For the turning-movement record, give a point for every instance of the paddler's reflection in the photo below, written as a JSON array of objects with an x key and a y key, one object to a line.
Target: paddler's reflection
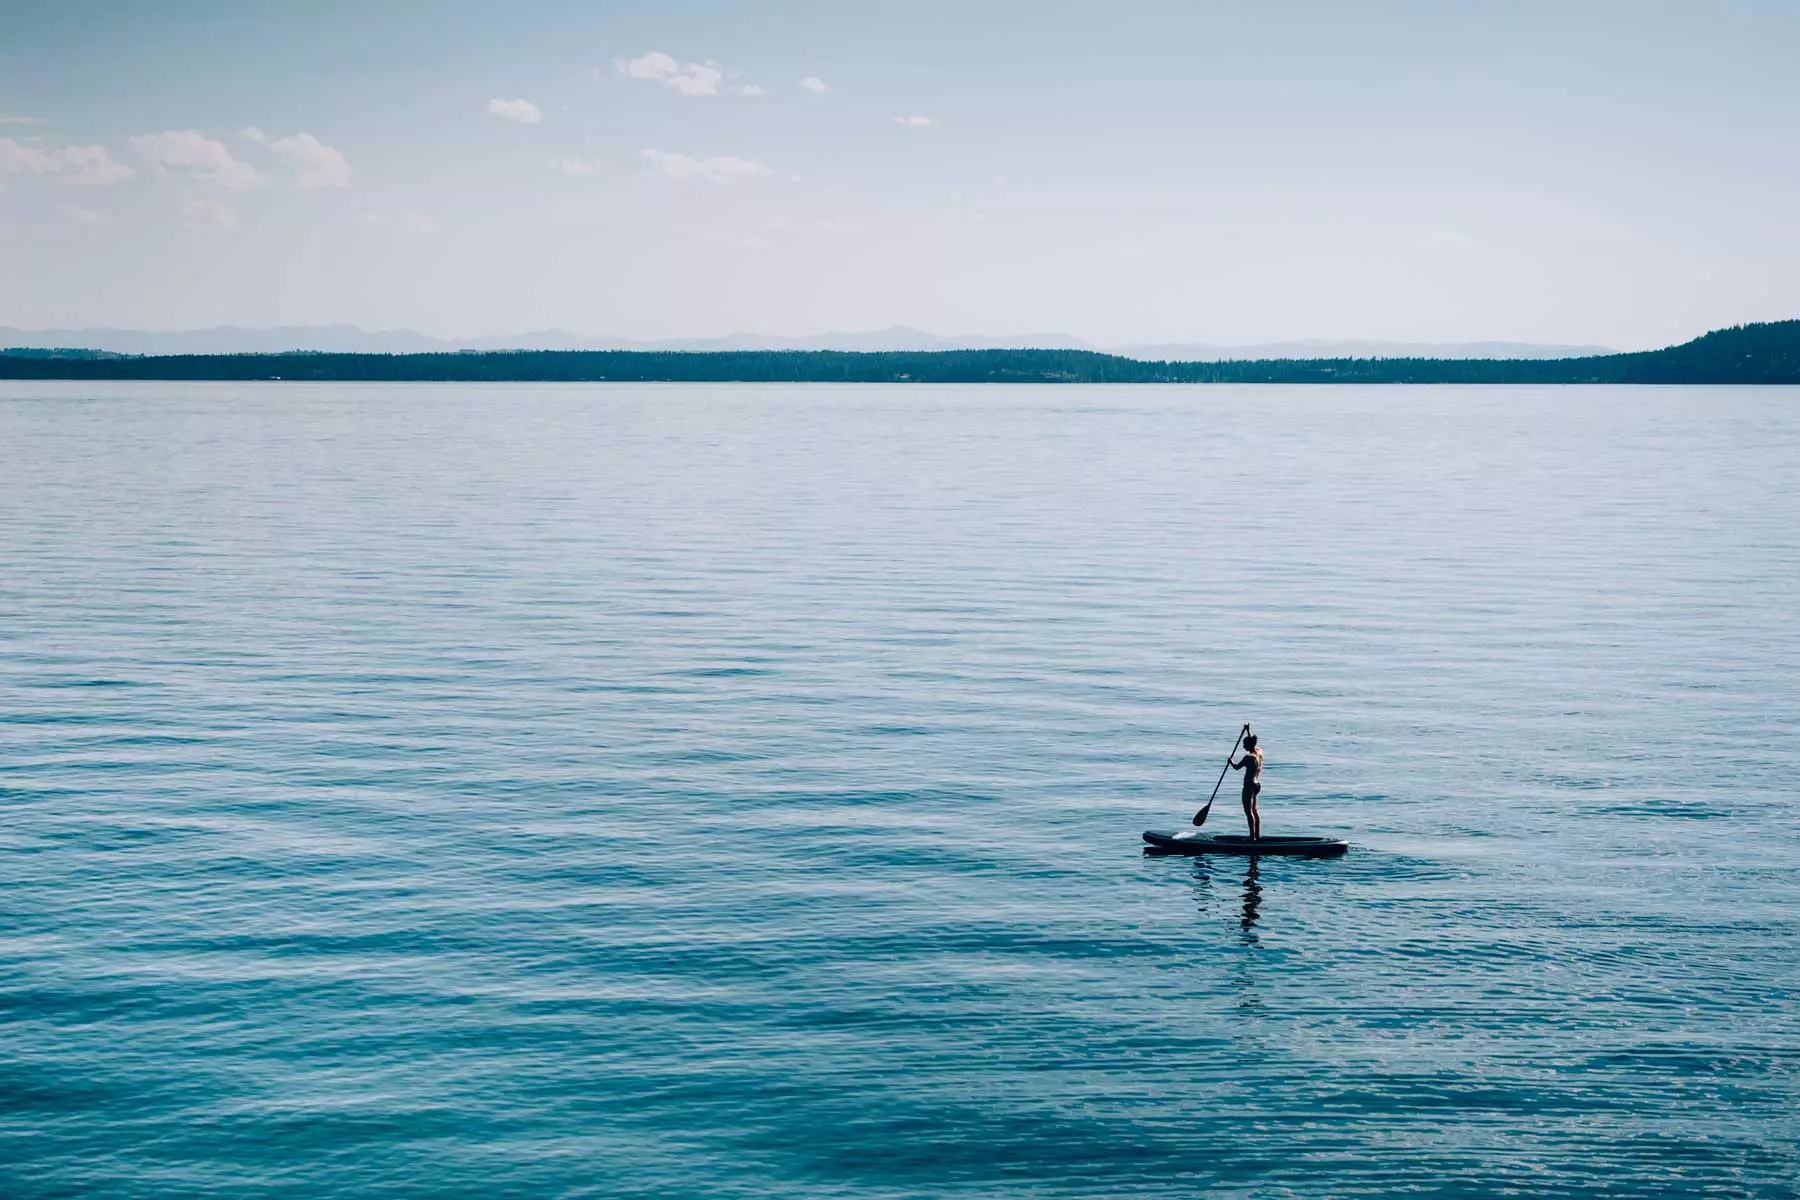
[
  {"x": 1249, "y": 910},
  {"x": 1252, "y": 901}
]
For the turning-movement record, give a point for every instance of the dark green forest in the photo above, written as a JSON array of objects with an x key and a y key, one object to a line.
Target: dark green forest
[{"x": 1766, "y": 353}]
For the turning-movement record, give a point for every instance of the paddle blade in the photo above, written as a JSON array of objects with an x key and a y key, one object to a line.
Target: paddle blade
[{"x": 1200, "y": 817}]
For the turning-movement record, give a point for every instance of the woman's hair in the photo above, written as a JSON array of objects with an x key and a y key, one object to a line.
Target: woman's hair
[{"x": 1250, "y": 742}]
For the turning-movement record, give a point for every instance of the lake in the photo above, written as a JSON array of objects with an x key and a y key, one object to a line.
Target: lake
[{"x": 735, "y": 791}]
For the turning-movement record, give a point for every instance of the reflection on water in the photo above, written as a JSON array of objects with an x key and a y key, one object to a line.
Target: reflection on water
[
  {"x": 1250, "y": 898},
  {"x": 1253, "y": 896},
  {"x": 1247, "y": 901}
]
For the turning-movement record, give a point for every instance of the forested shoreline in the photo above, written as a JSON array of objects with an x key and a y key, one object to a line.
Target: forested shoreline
[{"x": 1765, "y": 353}]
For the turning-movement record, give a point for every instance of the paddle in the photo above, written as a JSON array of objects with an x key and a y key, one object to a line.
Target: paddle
[{"x": 1200, "y": 817}]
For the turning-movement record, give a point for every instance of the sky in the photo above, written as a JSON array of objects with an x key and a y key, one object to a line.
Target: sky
[{"x": 1621, "y": 174}]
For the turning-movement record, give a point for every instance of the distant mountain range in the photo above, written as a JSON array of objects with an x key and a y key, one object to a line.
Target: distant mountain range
[
  {"x": 348, "y": 339},
  {"x": 1352, "y": 348}
]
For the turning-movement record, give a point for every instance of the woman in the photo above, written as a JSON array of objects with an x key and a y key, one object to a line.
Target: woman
[{"x": 1251, "y": 765}]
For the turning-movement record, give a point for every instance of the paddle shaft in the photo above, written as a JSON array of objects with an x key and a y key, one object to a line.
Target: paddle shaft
[{"x": 1200, "y": 817}]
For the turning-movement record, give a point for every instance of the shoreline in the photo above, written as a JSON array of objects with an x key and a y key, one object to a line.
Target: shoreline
[{"x": 1760, "y": 354}]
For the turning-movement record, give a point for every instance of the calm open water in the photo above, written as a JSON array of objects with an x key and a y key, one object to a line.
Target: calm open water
[{"x": 668, "y": 791}]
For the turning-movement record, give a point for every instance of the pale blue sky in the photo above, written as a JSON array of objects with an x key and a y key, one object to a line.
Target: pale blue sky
[{"x": 1617, "y": 173}]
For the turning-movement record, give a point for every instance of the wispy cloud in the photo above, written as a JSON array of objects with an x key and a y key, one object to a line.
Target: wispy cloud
[
  {"x": 580, "y": 166},
  {"x": 814, "y": 84},
  {"x": 210, "y": 212},
  {"x": 316, "y": 164},
  {"x": 251, "y": 133},
  {"x": 724, "y": 169},
  {"x": 17, "y": 158},
  {"x": 22, "y": 120},
  {"x": 914, "y": 122},
  {"x": 93, "y": 165},
  {"x": 753, "y": 89},
  {"x": 688, "y": 79},
  {"x": 208, "y": 159},
  {"x": 522, "y": 111},
  {"x": 70, "y": 164},
  {"x": 86, "y": 216}
]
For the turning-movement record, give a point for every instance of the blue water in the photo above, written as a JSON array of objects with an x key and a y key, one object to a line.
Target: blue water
[{"x": 670, "y": 791}]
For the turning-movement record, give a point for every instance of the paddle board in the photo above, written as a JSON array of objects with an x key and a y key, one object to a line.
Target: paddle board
[{"x": 1192, "y": 841}]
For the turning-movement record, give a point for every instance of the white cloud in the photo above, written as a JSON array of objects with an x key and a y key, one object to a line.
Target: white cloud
[
  {"x": 580, "y": 166},
  {"x": 71, "y": 164},
  {"x": 92, "y": 164},
  {"x": 86, "y": 216},
  {"x": 654, "y": 65},
  {"x": 689, "y": 79},
  {"x": 814, "y": 84},
  {"x": 210, "y": 160},
  {"x": 522, "y": 111},
  {"x": 19, "y": 158},
  {"x": 251, "y": 133},
  {"x": 316, "y": 164},
  {"x": 21, "y": 120},
  {"x": 915, "y": 122},
  {"x": 752, "y": 89},
  {"x": 210, "y": 212},
  {"x": 724, "y": 169}
]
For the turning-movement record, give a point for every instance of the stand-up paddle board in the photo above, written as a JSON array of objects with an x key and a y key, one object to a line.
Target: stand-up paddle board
[{"x": 1192, "y": 841}]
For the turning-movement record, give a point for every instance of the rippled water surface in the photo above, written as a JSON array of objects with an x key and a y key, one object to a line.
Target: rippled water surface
[{"x": 728, "y": 792}]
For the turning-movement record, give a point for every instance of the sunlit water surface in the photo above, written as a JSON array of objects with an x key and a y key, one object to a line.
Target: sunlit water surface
[{"x": 668, "y": 791}]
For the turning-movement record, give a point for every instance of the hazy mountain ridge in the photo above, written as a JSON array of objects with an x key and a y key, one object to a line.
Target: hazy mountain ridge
[
  {"x": 351, "y": 339},
  {"x": 1352, "y": 348}
]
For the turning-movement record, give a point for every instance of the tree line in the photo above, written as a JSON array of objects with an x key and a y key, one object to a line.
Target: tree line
[{"x": 1765, "y": 353}]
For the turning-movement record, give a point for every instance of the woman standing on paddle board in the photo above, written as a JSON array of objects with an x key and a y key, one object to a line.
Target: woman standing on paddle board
[{"x": 1251, "y": 765}]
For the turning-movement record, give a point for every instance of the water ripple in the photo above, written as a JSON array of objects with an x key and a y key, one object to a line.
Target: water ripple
[{"x": 735, "y": 792}]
